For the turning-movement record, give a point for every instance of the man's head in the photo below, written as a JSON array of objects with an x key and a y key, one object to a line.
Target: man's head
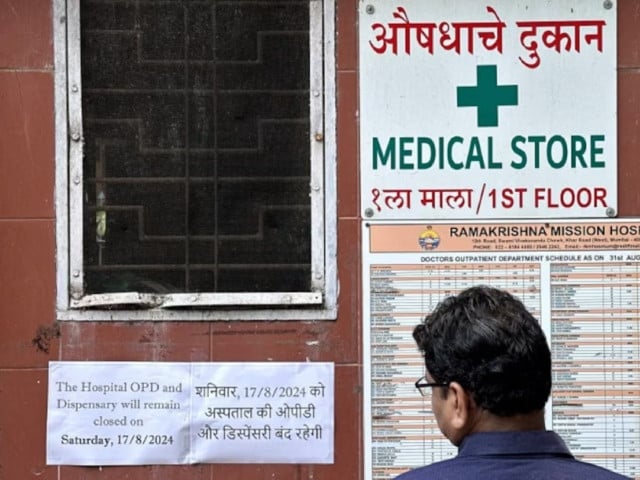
[{"x": 485, "y": 341}]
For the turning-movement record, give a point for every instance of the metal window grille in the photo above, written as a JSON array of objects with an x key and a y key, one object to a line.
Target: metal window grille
[{"x": 197, "y": 147}]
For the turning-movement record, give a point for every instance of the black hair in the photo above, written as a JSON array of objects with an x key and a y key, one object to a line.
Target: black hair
[{"x": 486, "y": 340}]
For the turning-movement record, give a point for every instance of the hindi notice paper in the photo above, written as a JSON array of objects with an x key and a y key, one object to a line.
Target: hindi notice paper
[{"x": 142, "y": 413}]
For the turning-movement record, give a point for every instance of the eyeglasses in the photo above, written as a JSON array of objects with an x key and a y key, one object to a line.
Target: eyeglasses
[{"x": 422, "y": 385}]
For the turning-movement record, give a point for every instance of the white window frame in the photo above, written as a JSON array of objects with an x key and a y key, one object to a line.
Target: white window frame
[{"x": 72, "y": 304}]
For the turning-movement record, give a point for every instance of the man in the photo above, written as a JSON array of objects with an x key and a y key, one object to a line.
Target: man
[{"x": 488, "y": 367}]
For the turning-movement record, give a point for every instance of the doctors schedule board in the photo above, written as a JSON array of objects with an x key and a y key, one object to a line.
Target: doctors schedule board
[{"x": 580, "y": 279}]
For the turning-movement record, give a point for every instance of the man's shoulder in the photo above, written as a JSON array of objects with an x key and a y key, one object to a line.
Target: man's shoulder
[
  {"x": 487, "y": 468},
  {"x": 590, "y": 470},
  {"x": 438, "y": 470}
]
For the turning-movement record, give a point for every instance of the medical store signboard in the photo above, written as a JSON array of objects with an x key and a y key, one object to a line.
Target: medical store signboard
[{"x": 487, "y": 109}]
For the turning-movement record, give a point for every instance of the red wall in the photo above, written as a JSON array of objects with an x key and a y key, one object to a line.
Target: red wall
[
  {"x": 30, "y": 336},
  {"x": 27, "y": 233}
]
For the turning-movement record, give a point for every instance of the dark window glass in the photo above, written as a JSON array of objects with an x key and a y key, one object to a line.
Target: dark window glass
[{"x": 196, "y": 154}]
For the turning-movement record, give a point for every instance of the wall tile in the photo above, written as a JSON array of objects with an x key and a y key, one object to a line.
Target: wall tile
[
  {"x": 628, "y": 143},
  {"x": 347, "y": 35},
  {"x": 628, "y": 28},
  {"x": 256, "y": 472},
  {"x": 26, "y": 39},
  {"x": 26, "y": 144},
  {"x": 139, "y": 341},
  {"x": 344, "y": 341},
  {"x": 260, "y": 341},
  {"x": 23, "y": 417},
  {"x": 139, "y": 472},
  {"x": 348, "y": 152},
  {"x": 27, "y": 309}
]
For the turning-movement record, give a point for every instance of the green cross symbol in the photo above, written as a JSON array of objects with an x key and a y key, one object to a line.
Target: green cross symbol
[{"x": 487, "y": 95}]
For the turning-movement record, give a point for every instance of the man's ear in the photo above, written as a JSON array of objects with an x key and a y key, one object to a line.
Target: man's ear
[{"x": 461, "y": 407}]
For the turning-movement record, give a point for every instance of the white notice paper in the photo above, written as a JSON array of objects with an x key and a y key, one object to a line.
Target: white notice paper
[{"x": 141, "y": 413}]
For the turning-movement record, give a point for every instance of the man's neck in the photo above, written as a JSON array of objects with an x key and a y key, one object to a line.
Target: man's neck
[{"x": 488, "y": 422}]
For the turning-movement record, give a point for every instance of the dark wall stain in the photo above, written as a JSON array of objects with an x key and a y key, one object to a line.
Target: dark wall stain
[{"x": 44, "y": 335}]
